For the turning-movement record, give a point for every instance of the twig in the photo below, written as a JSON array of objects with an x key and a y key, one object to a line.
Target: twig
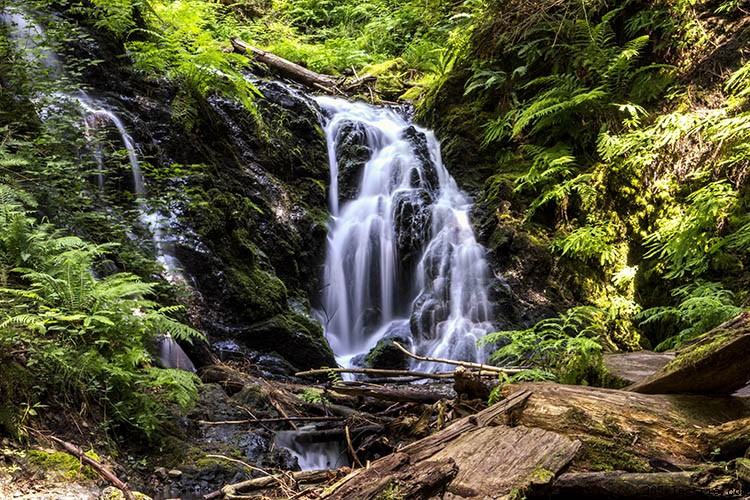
[
  {"x": 103, "y": 471},
  {"x": 280, "y": 409},
  {"x": 466, "y": 364},
  {"x": 351, "y": 446}
]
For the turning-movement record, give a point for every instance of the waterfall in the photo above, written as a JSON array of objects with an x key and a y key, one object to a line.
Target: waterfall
[
  {"x": 310, "y": 453},
  {"x": 401, "y": 252},
  {"x": 30, "y": 41}
]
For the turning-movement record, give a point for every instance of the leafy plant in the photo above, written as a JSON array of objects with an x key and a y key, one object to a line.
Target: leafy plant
[
  {"x": 87, "y": 338},
  {"x": 566, "y": 348},
  {"x": 702, "y": 306}
]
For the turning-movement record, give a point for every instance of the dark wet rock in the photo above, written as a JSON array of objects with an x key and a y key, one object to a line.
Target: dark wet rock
[
  {"x": 299, "y": 338},
  {"x": 352, "y": 153},
  {"x": 412, "y": 218},
  {"x": 271, "y": 365},
  {"x": 428, "y": 179},
  {"x": 387, "y": 356}
]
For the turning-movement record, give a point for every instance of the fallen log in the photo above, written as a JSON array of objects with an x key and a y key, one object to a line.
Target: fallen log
[
  {"x": 728, "y": 440},
  {"x": 492, "y": 460},
  {"x": 655, "y": 485},
  {"x": 383, "y": 393},
  {"x": 623, "y": 430},
  {"x": 633, "y": 367},
  {"x": 391, "y": 474},
  {"x": 286, "y": 68},
  {"x": 716, "y": 363}
]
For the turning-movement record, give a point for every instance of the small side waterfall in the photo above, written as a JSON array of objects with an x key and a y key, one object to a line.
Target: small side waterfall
[
  {"x": 30, "y": 41},
  {"x": 401, "y": 251},
  {"x": 312, "y": 454}
]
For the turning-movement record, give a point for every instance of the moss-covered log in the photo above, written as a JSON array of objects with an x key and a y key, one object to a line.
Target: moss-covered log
[
  {"x": 622, "y": 430},
  {"x": 716, "y": 363},
  {"x": 615, "y": 484}
]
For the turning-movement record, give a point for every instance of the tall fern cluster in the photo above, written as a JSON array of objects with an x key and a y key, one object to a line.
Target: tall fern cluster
[
  {"x": 636, "y": 176},
  {"x": 83, "y": 337}
]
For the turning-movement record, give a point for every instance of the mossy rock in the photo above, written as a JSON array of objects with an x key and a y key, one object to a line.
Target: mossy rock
[
  {"x": 60, "y": 464},
  {"x": 387, "y": 356},
  {"x": 294, "y": 336}
]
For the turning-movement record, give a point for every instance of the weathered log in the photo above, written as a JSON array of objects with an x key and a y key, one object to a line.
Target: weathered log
[
  {"x": 498, "y": 460},
  {"x": 393, "y": 474},
  {"x": 656, "y": 485},
  {"x": 728, "y": 440},
  {"x": 396, "y": 394},
  {"x": 716, "y": 363},
  {"x": 623, "y": 430},
  {"x": 633, "y": 367},
  {"x": 286, "y": 68}
]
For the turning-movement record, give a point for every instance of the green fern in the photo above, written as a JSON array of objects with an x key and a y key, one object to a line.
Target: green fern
[
  {"x": 566, "y": 347},
  {"x": 702, "y": 306}
]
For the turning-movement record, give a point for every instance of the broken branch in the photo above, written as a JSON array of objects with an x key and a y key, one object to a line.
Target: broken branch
[{"x": 466, "y": 364}]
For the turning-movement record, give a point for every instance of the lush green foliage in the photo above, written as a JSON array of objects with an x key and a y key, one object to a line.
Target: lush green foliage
[
  {"x": 567, "y": 348},
  {"x": 637, "y": 179},
  {"x": 85, "y": 339},
  {"x": 702, "y": 307}
]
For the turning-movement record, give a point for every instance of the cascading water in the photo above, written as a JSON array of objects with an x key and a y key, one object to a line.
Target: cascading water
[
  {"x": 30, "y": 41},
  {"x": 401, "y": 252},
  {"x": 312, "y": 454}
]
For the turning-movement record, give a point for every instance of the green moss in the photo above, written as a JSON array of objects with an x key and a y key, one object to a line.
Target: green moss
[
  {"x": 64, "y": 464},
  {"x": 704, "y": 346},
  {"x": 542, "y": 475},
  {"x": 264, "y": 295},
  {"x": 609, "y": 454}
]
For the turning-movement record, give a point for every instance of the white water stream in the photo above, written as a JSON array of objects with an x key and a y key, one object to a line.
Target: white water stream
[
  {"x": 31, "y": 43},
  {"x": 406, "y": 204}
]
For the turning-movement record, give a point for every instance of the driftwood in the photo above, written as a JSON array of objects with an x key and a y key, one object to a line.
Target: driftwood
[
  {"x": 98, "y": 467},
  {"x": 624, "y": 430},
  {"x": 658, "y": 485},
  {"x": 465, "y": 364},
  {"x": 716, "y": 363},
  {"x": 383, "y": 393}
]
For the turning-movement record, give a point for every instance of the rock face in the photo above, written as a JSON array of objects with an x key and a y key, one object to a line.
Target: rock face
[{"x": 244, "y": 194}]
